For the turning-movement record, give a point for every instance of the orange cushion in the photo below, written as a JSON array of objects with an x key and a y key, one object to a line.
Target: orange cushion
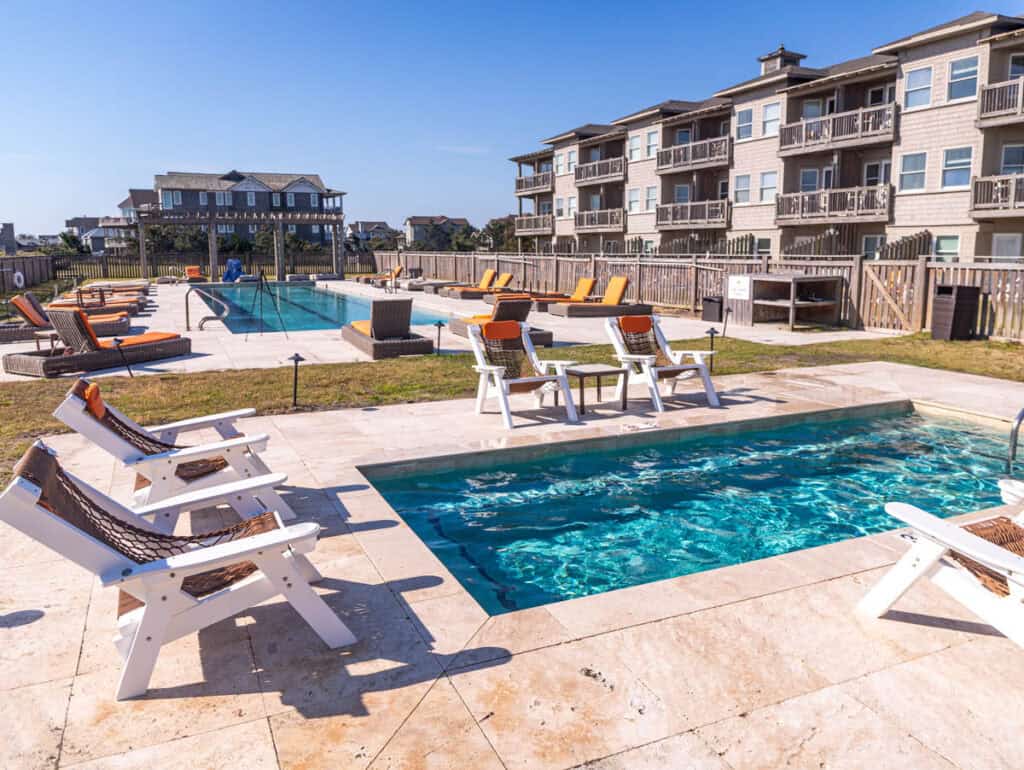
[
  {"x": 510, "y": 295},
  {"x": 88, "y": 327},
  {"x": 108, "y": 318},
  {"x": 486, "y": 278},
  {"x": 363, "y": 327},
  {"x": 142, "y": 339},
  {"x": 94, "y": 401},
  {"x": 501, "y": 330},
  {"x": 583, "y": 288},
  {"x": 636, "y": 324},
  {"x": 616, "y": 290},
  {"x": 478, "y": 319},
  {"x": 503, "y": 280},
  {"x": 397, "y": 271},
  {"x": 26, "y": 309}
]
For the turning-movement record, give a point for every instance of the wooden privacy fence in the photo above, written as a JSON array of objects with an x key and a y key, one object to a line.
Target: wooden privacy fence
[
  {"x": 89, "y": 267},
  {"x": 36, "y": 270},
  {"x": 888, "y": 295}
]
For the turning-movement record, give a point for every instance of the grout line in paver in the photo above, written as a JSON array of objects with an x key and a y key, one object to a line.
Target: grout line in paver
[
  {"x": 74, "y": 676},
  {"x": 899, "y": 727},
  {"x": 476, "y": 722}
]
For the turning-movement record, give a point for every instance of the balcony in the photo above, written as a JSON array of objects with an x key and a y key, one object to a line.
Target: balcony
[
  {"x": 608, "y": 170},
  {"x": 852, "y": 204},
  {"x": 538, "y": 224},
  {"x": 868, "y": 125},
  {"x": 696, "y": 215},
  {"x": 601, "y": 220},
  {"x": 997, "y": 197},
  {"x": 689, "y": 157},
  {"x": 1000, "y": 104},
  {"x": 532, "y": 185}
]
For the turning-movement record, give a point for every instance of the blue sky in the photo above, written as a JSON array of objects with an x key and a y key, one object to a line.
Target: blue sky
[{"x": 412, "y": 108}]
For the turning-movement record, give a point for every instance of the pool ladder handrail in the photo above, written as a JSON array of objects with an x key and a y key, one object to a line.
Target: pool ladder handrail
[
  {"x": 204, "y": 319},
  {"x": 1011, "y": 457}
]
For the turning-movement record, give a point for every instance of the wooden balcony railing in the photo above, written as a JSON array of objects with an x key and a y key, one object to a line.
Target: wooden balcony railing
[
  {"x": 1001, "y": 100},
  {"x": 853, "y": 127},
  {"x": 601, "y": 219},
  {"x": 696, "y": 214},
  {"x": 537, "y": 183},
  {"x": 709, "y": 152},
  {"x": 608, "y": 170},
  {"x": 995, "y": 195},
  {"x": 538, "y": 224},
  {"x": 851, "y": 203}
]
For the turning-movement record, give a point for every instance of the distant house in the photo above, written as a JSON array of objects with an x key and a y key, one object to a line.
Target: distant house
[
  {"x": 100, "y": 240},
  {"x": 369, "y": 230},
  {"x": 8, "y": 243},
  {"x": 416, "y": 227},
  {"x": 81, "y": 225},
  {"x": 48, "y": 240},
  {"x": 136, "y": 199}
]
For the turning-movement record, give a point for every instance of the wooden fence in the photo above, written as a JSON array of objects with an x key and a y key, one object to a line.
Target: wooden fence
[
  {"x": 35, "y": 269},
  {"x": 89, "y": 267},
  {"x": 890, "y": 295}
]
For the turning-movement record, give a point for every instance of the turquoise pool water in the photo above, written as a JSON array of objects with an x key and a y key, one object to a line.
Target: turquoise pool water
[
  {"x": 531, "y": 533},
  {"x": 294, "y": 308}
]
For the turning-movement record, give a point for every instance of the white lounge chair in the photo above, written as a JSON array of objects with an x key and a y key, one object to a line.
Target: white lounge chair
[
  {"x": 640, "y": 343},
  {"x": 980, "y": 564},
  {"x": 507, "y": 363},
  {"x": 171, "y": 585},
  {"x": 163, "y": 467}
]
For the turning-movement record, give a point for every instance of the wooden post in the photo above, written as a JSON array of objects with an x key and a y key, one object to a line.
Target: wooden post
[
  {"x": 695, "y": 289},
  {"x": 143, "y": 264},
  {"x": 211, "y": 240},
  {"x": 337, "y": 264},
  {"x": 856, "y": 282},
  {"x": 920, "y": 293},
  {"x": 639, "y": 278},
  {"x": 279, "y": 250}
]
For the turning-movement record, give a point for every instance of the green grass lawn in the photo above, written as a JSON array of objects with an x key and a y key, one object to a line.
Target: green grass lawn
[{"x": 25, "y": 406}]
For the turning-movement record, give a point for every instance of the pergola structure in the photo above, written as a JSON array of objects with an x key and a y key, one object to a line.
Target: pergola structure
[{"x": 276, "y": 220}]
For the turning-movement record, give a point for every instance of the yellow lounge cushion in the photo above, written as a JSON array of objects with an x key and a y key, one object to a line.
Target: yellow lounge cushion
[{"x": 363, "y": 327}]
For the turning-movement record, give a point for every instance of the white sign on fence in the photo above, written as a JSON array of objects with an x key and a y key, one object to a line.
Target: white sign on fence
[{"x": 739, "y": 287}]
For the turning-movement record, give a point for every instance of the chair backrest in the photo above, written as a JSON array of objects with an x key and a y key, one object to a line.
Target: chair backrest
[
  {"x": 506, "y": 344},
  {"x": 390, "y": 318},
  {"x": 193, "y": 271},
  {"x": 232, "y": 269},
  {"x": 512, "y": 310},
  {"x": 639, "y": 335},
  {"x": 487, "y": 278},
  {"x": 397, "y": 271},
  {"x": 31, "y": 297},
  {"x": 583, "y": 288},
  {"x": 503, "y": 281},
  {"x": 74, "y": 329},
  {"x": 26, "y": 310},
  {"x": 616, "y": 290}
]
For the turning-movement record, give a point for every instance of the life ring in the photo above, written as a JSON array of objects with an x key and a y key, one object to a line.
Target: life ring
[{"x": 19, "y": 279}]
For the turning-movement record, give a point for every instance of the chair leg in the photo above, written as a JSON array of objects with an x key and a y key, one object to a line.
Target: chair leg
[
  {"x": 570, "y": 406},
  {"x": 915, "y": 564},
  {"x": 652, "y": 386},
  {"x": 143, "y": 652},
  {"x": 286, "y": 576},
  {"x": 271, "y": 500},
  {"x": 306, "y": 568},
  {"x": 481, "y": 393},
  {"x": 620, "y": 383},
  {"x": 506, "y": 407},
  {"x": 709, "y": 388}
]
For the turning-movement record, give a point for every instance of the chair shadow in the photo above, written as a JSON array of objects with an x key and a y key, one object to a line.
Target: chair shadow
[
  {"x": 934, "y": 621},
  {"x": 20, "y": 618}
]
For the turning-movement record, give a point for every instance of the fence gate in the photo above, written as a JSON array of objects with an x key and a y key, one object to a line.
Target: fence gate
[{"x": 890, "y": 296}]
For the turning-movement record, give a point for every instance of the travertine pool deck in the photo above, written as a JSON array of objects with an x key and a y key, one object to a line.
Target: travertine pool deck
[
  {"x": 215, "y": 347},
  {"x": 759, "y": 665}
]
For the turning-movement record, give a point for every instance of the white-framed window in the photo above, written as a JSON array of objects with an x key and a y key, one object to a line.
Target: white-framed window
[
  {"x": 963, "y": 79},
  {"x": 292, "y": 228},
  {"x": 203, "y": 198},
  {"x": 315, "y": 229},
  {"x": 882, "y": 95},
  {"x": 253, "y": 229},
  {"x": 177, "y": 197},
  {"x": 314, "y": 201},
  {"x": 811, "y": 108},
  {"x": 652, "y": 144},
  {"x": 1016, "y": 66},
  {"x": 918, "y": 91},
  {"x": 250, "y": 199},
  {"x": 275, "y": 199},
  {"x": 769, "y": 185},
  {"x": 724, "y": 127},
  {"x": 827, "y": 177},
  {"x": 559, "y": 207},
  {"x": 1013, "y": 159},
  {"x": 544, "y": 207},
  {"x": 648, "y": 247},
  {"x": 571, "y": 210},
  {"x": 682, "y": 136},
  {"x": 634, "y": 148},
  {"x": 570, "y": 161},
  {"x": 1007, "y": 244},
  {"x": 289, "y": 200},
  {"x": 681, "y": 193},
  {"x": 595, "y": 201},
  {"x": 770, "y": 119},
  {"x": 744, "y": 124},
  {"x": 808, "y": 179},
  {"x": 225, "y": 229},
  {"x": 633, "y": 200},
  {"x": 559, "y": 164},
  {"x": 877, "y": 172},
  {"x": 723, "y": 189},
  {"x": 947, "y": 247},
  {"x": 763, "y": 246},
  {"x": 166, "y": 199},
  {"x": 956, "y": 168},
  {"x": 741, "y": 189},
  {"x": 650, "y": 198},
  {"x": 871, "y": 245},
  {"x": 219, "y": 198},
  {"x": 912, "y": 171}
]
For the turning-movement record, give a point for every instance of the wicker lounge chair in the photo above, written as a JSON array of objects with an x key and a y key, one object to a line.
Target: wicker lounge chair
[
  {"x": 422, "y": 284},
  {"x": 98, "y": 303},
  {"x": 640, "y": 343},
  {"x": 507, "y": 363},
  {"x": 194, "y": 274},
  {"x": 980, "y": 564},
  {"x": 165, "y": 468},
  {"x": 83, "y": 351},
  {"x": 171, "y": 585},
  {"x": 510, "y": 307},
  {"x": 36, "y": 320},
  {"x": 584, "y": 286},
  {"x": 609, "y": 305},
  {"x": 386, "y": 334},
  {"x": 486, "y": 280},
  {"x": 475, "y": 292}
]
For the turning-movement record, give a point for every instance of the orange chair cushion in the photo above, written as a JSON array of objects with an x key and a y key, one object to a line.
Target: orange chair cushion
[
  {"x": 109, "y": 318},
  {"x": 486, "y": 278},
  {"x": 583, "y": 288},
  {"x": 142, "y": 339},
  {"x": 478, "y": 319},
  {"x": 26, "y": 309},
  {"x": 636, "y": 324},
  {"x": 193, "y": 271},
  {"x": 503, "y": 280},
  {"x": 94, "y": 401},
  {"x": 363, "y": 327},
  {"x": 616, "y": 290},
  {"x": 84, "y": 318},
  {"x": 501, "y": 330}
]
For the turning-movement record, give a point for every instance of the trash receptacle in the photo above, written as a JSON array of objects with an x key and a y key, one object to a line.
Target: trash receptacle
[
  {"x": 954, "y": 311},
  {"x": 711, "y": 309}
]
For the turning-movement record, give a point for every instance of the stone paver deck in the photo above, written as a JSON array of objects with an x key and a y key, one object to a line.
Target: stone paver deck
[{"x": 759, "y": 665}]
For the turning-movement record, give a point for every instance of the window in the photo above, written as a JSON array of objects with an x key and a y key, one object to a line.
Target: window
[
  {"x": 723, "y": 189},
  {"x": 1013, "y": 159},
  {"x": 682, "y": 136},
  {"x": 947, "y": 247},
  {"x": 877, "y": 172},
  {"x": 225, "y": 229},
  {"x": 253, "y": 229},
  {"x": 871, "y": 245},
  {"x": 956, "y": 167},
  {"x": 314, "y": 201},
  {"x": 177, "y": 197},
  {"x": 219, "y": 198},
  {"x": 764, "y": 246},
  {"x": 167, "y": 199},
  {"x": 250, "y": 199},
  {"x": 634, "y": 148},
  {"x": 652, "y": 144},
  {"x": 595, "y": 201},
  {"x": 203, "y": 199},
  {"x": 633, "y": 200},
  {"x": 571, "y": 167},
  {"x": 315, "y": 229},
  {"x": 544, "y": 207},
  {"x": 744, "y": 124},
  {"x": 572, "y": 206},
  {"x": 742, "y": 192},
  {"x": 881, "y": 95},
  {"x": 808, "y": 179},
  {"x": 648, "y": 247},
  {"x": 559, "y": 165},
  {"x": 827, "y": 175},
  {"x": 912, "y": 171},
  {"x": 289, "y": 199},
  {"x": 681, "y": 193},
  {"x": 650, "y": 198},
  {"x": 545, "y": 167},
  {"x": 963, "y": 78},
  {"x": 275, "y": 199},
  {"x": 723, "y": 128},
  {"x": 1006, "y": 244},
  {"x": 770, "y": 119},
  {"x": 292, "y": 229},
  {"x": 919, "y": 88},
  {"x": 769, "y": 184},
  {"x": 559, "y": 207},
  {"x": 1016, "y": 66},
  {"x": 811, "y": 109}
]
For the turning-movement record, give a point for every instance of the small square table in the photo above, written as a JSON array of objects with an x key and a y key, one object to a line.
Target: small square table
[{"x": 597, "y": 371}]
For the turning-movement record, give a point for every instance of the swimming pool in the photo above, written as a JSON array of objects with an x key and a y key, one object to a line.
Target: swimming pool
[
  {"x": 295, "y": 307},
  {"x": 529, "y": 533}
]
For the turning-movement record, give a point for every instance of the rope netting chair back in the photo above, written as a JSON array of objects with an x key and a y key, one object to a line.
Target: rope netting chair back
[
  {"x": 639, "y": 338},
  {"x": 1000, "y": 531},
  {"x": 89, "y": 392},
  {"x": 503, "y": 346}
]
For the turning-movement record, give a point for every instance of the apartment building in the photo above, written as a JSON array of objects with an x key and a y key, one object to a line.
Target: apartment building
[
  {"x": 416, "y": 227},
  {"x": 923, "y": 133}
]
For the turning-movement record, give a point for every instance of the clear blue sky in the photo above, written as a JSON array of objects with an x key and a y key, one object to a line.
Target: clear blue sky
[{"x": 412, "y": 108}]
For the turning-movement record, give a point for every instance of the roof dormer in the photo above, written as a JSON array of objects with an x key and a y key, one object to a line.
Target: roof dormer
[{"x": 779, "y": 58}]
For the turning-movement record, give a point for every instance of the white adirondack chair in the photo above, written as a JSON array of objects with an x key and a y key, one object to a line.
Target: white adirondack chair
[
  {"x": 171, "y": 585},
  {"x": 965, "y": 561},
  {"x": 168, "y": 468},
  {"x": 544, "y": 377},
  {"x": 639, "y": 348}
]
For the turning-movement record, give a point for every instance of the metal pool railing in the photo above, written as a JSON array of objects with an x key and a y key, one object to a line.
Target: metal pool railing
[{"x": 204, "y": 319}]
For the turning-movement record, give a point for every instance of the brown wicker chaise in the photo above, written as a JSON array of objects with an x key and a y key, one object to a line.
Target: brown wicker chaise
[
  {"x": 541, "y": 299},
  {"x": 609, "y": 305},
  {"x": 480, "y": 291},
  {"x": 84, "y": 352},
  {"x": 386, "y": 334},
  {"x": 510, "y": 307},
  {"x": 36, "y": 320},
  {"x": 98, "y": 303}
]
